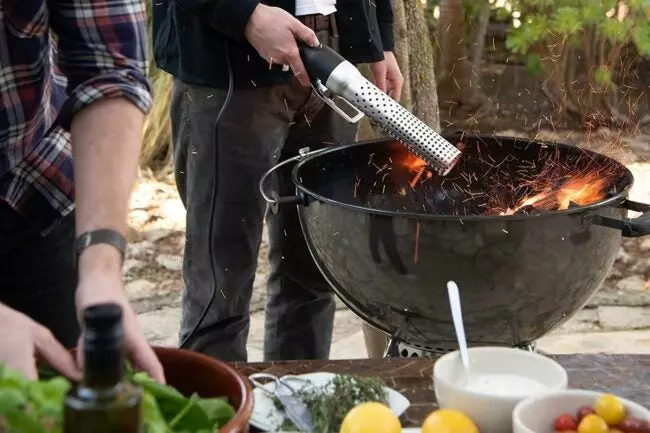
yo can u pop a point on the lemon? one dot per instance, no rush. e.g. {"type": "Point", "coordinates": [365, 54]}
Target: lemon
{"type": "Point", "coordinates": [371, 418]}
{"type": "Point", "coordinates": [448, 421]}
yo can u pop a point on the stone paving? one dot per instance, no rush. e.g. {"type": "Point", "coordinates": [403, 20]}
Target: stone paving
{"type": "Point", "coordinates": [617, 319]}
{"type": "Point", "coordinates": [161, 327]}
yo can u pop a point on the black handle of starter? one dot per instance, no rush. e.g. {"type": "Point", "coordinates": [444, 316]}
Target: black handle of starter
{"type": "Point", "coordinates": [319, 62]}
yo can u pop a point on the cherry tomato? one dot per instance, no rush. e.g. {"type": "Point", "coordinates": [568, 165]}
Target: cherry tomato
{"type": "Point", "coordinates": [630, 425]}
{"type": "Point", "coordinates": [645, 426]}
{"type": "Point", "coordinates": [565, 422]}
{"type": "Point", "coordinates": [610, 409]}
{"type": "Point", "coordinates": [593, 424]}
{"type": "Point", "coordinates": [584, 411]}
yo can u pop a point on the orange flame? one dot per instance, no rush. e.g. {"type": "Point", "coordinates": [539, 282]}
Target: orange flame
{"type": "Point", "coordinates": [580, 190]}
{"type": "Point", "coordinates": [413, 163]}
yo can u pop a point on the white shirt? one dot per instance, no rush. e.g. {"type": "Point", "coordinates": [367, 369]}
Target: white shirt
{"type": "Point", "coordinates": [314, 7]}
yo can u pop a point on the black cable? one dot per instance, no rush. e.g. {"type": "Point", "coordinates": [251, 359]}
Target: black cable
{"type": "Point", "coordinates": [213, 203]}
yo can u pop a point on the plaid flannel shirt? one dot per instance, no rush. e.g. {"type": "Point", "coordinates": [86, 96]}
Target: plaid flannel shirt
{"type": "Point", "coordinates": [57, 57]}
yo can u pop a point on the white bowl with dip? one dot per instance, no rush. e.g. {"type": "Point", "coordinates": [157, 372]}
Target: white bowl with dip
{"type": "Point", "coordinates": [537, 414]}
{"type": "Point", "coordinates": [499, 378]}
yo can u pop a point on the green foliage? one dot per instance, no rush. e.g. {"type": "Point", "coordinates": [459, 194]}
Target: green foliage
{"type": "Point", "coordinates": [534, 64]}
{"type": "Point", "coordinates": [616, 31]}
{"type": "Point", "coordinates": [603, 76]}
{"type": "Point", "coordinates": [37, 406]}
{"type": "Point", "coordinates": [472, 7]}
{"type": "Point", "coordinates": [533, 30]}
{"type": "Point", "coordinates": [641, 37]}
{"type": "Point", "coordinates": [567, 20]}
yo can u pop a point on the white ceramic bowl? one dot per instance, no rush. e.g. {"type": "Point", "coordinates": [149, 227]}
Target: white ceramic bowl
{"type": "Point", "coordinates": [492, 412]}
{"type": "Point", "coordinates": [537, 414]}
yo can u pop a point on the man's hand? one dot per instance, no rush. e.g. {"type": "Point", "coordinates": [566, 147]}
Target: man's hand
{"type": "Point", "coordinates": [273, 33]}
{"type": "Point", "coordinates": [100, 281]}
{"type": "Point", "coordinates": [22, 340]}
{"type": "Point", "coordinates": [106, 137]}
{"type": "Point", "coordinates": [387, 75]}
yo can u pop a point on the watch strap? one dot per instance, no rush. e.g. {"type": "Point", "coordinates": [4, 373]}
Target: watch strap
{"type": "Point", "coordinates": [95, 237]}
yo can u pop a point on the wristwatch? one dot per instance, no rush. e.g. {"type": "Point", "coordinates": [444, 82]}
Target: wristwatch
{"type": "Point", "coordinates": [94, 237]}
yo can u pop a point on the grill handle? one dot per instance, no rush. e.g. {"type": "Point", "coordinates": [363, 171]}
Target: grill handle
{"type": "Point", "coordinates": [629, 227]}
{"type": "Point", "coordinates": [272, 198]}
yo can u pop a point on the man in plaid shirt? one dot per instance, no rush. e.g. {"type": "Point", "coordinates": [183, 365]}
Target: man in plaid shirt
{"type": "Point", "coordinates": [72, 83]}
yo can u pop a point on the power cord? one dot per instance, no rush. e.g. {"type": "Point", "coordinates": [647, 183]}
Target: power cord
{"type": "Point", "coordinates": [213, 203]}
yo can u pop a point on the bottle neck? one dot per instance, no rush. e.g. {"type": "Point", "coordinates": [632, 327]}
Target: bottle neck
{"type": "Point", "coordinates": [104, 366]}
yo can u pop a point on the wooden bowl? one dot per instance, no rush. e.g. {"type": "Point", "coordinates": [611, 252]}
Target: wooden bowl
{"type": "Point", "coordinates": [192, 372]}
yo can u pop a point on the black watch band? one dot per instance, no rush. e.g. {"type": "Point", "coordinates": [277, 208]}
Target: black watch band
{"type": "Point", "coordinates": [102, 236]}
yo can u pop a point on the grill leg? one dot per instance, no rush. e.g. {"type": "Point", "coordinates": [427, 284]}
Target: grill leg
{"type": "Point", "coordinates": [398, 349]}
{"type": "Point", "coordinates": [528, 347]}
{"type": "Point", "coordinates": [392, 350]}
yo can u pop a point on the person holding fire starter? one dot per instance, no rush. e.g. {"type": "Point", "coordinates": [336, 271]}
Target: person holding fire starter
{"type": "Point", "coordinates": [86, 102]}
{"type": "Point", "coordinates": [241, 102]}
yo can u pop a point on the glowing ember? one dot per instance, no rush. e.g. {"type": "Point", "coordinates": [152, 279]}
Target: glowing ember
{"type": "Point", "coordinates": [582, 191]}
{"type": "Point", "coordinates": [412, 162]}
{"type": "Point", "coordinates": [491, 180]}
{"type": "Point", "coordinates": [414, 165]}
{"type": "Point", "coordinates": [579, 190]}
{"type": "Point", "coordinates": [555, 187]}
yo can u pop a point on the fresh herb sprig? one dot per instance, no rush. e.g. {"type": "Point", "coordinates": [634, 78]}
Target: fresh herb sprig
{"type": "Point", "coordinates": [328, 404]}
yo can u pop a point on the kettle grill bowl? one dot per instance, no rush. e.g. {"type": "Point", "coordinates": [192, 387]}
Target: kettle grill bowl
{"type": "Point", "coordinates": [519, 276]}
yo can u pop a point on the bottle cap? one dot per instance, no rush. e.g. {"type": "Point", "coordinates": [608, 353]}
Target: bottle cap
{"type": "Point", "coordinates": [102, 316]}
{"type": "Point", "coordinates": [103, 326]}
{"type": "Point", "coordinates": [103, 344]}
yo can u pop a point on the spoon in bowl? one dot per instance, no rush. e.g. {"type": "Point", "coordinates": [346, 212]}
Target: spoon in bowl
{"type": "Point", "coordinates": [457, 316]}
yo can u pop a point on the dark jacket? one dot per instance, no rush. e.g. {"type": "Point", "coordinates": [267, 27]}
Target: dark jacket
{"type": "Point", "coordinates": [189, 38]}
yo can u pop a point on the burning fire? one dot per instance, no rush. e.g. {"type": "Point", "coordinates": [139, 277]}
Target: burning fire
{"type": "Point", "coordinates": [526, 186]}
{"type": "Point", "coordinates": [417, 166]}
{"type": "Point", "coordinates": [579, 189]}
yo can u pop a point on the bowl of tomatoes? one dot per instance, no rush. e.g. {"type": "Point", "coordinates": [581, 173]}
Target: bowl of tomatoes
{"type": "Point", "coordinates": [578, 411]}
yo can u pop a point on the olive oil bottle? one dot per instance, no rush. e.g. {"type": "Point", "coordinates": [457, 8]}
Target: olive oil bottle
{"type": "Point", "coordinates": [104, 402]}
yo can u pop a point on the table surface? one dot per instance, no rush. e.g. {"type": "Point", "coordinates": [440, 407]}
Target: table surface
{"type": "Point", "coordinates": [625, 375]}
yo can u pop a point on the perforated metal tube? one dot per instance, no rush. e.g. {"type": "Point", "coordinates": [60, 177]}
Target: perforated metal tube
{"type": "Point", "coordinates": [347, 82]}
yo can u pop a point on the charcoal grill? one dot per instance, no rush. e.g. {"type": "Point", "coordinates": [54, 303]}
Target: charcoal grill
{"type": "Point", "coordinates": [388, 253]}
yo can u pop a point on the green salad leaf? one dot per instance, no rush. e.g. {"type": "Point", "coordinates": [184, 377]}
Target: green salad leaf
{"type": "Point", "coordinates": [37, 406]}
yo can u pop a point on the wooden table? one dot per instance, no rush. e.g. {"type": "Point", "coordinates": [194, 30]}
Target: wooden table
{"type": "Point", "coordinates": [624, 375]}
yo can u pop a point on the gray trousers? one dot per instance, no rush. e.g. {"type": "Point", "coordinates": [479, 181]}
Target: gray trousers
{"type": "Point", "coordinates": [259, 127]}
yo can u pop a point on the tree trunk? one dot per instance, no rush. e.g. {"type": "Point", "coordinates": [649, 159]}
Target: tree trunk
{"type": "Point", "coordinates": [424, 91]}
{"type": "Point", "coordinates": [402, 50]}
{"type": "Point", "coordinates": [367, 129]}
{"type": "Point", "coordinates": [458, 86]}
{"type": "Point", "coordinates": [479, 38]}
{"type": "Point", "coordinates": [414, 53]}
